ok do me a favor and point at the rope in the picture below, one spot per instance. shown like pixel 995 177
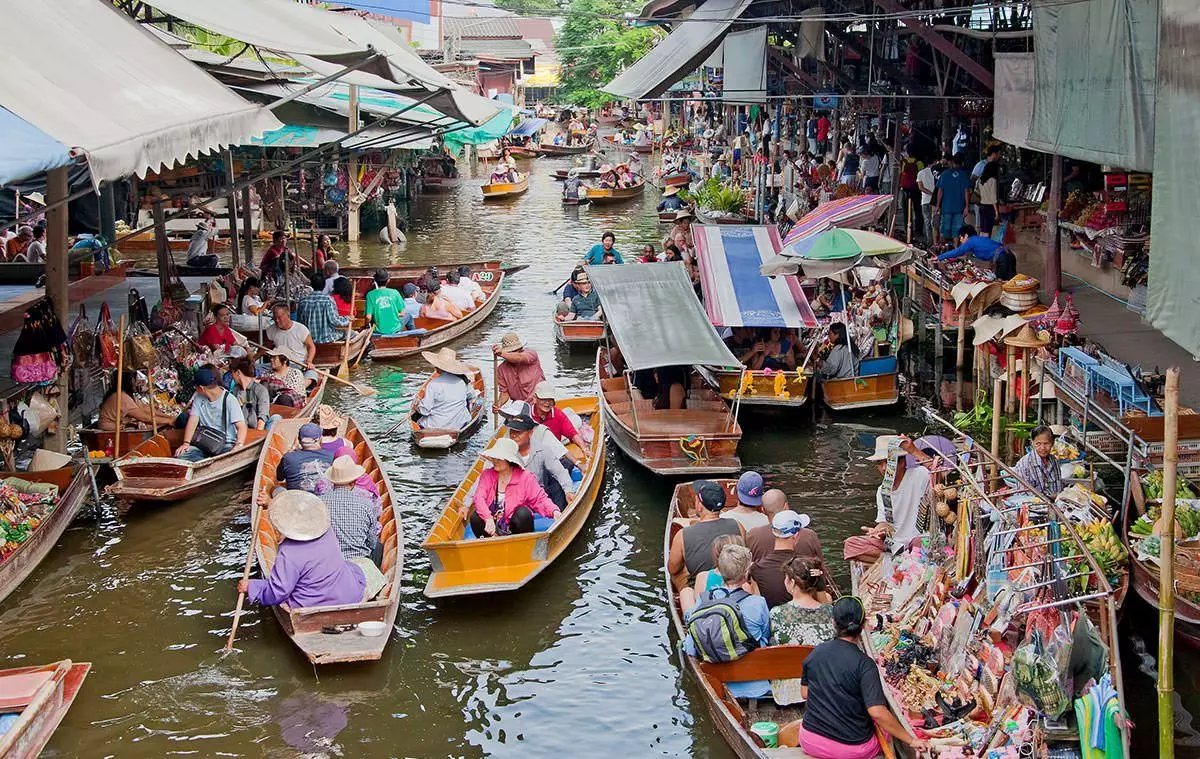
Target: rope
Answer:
pixel 694 447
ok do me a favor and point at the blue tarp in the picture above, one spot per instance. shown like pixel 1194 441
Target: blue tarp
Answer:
pixel 527 127
pixel 26 150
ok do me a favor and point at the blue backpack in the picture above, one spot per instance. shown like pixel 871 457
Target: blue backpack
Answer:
pixel 717 628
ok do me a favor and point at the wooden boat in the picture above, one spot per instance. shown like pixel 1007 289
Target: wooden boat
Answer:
pixel 1145 579
pixel 699 439
pixel 402 274
pixel 305 626
pixel 329 355
pixel 146 241
pixel 579 332
pixel 550 149
pixel 102 440
pixel 613 194
pixel 677 179
pixel 72 482
pixel 150 471
pixel 42 695
pixel 506 189
pixel 775 389
pixel 520 151
pixel 877 384
pixel 667 217
pixel 466 567
pixel 432 437
pixel 184 270
pixel 574 201
pixel 561 174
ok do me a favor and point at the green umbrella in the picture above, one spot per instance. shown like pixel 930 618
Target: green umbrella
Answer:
pixel 835 244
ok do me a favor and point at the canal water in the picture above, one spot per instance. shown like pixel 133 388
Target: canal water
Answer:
pixel 579 663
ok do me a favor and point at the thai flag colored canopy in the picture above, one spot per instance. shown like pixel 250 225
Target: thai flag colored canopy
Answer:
pixel 853 212
pixel 735 293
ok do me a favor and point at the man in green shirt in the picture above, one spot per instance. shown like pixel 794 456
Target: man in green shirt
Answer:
pixel 385 307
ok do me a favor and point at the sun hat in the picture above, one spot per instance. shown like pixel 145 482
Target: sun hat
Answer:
pixel 511 342
pixel 308 432
pixel 299 515
pixel 671 190
pixel 787 523
pixel 750 489
pixel 882 443
pixel 504 449
pixel 684 214
pixel 326 419
pixel 546 389
pixel 573 172
pixel 446 359
pixel 36 197
pixel 344 471
pixel 1026 338
pixel 605 167
pixel 710 494
pixel 206 377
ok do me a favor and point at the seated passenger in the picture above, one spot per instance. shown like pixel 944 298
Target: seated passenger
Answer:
pixel 761 540
pixel 734 565
pixel 470 285
pixel 342 293
pixel 309 570
pixel 330 423
pixel 354 513
pixel 438 306
pixel 804 620
pixel 452 288
pixel 302 468
pixel 569 290
pixel 252 394
pixel 779 353
pixel 608 177
pixel 768 571
pixel 286 383
pixel 446 403
pixel 215 409
pixel 842 361
pixel 539 460
pixel 691 548
pixel 709 578
pixel 546 412
pixel 586 304
pixel 386 308
pixel 500 175
pixel 411 303
pixel 671 383
pixel 521 498
pixel 219 335
pixel 748 513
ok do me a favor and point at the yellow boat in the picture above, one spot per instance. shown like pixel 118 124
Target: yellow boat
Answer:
pixel 466 567
pixel 496 190
pixel 759 388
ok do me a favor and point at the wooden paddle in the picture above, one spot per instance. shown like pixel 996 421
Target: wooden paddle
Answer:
pixel 495 390
pixel 344 369
pixel 362 389
pixel 237 610
pixel 363 352
pixel 120 378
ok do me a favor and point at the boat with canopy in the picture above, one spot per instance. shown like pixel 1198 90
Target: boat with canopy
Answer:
pixel 656 321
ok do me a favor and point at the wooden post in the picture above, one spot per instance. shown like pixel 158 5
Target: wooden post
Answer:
pixel 227 159
pixel 1166 586
pixel 1052 271
pixel 120 377
pixel 997 390
pixel 153 415
pixel 1010 394
pixel 162 251
pixel 57 288
pixel 959 355
pixel 247 226
pixel 352 227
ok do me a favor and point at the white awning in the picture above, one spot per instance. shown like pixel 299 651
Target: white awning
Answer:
pixel 128 103
pixel 681 53
pixel 327 42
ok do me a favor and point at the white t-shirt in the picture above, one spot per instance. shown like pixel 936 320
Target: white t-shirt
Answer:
pixel 906 506
pixel 925 179
pixel 291 341
pixel 35 252
pixel 458 296
pixel 473 287
pixel 749 520
pixel 871 165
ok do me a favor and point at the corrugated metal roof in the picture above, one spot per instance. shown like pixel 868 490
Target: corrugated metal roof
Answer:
pixel 497 49
pixel 499 27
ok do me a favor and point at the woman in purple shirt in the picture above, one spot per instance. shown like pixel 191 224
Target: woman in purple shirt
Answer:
pixel 309 569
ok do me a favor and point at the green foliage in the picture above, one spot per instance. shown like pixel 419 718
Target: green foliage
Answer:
pixel 717 197
pixel 529 7
pixel 593 47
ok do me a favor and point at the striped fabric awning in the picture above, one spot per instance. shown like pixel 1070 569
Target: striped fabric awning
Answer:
pixel 853 212
pixel 735 293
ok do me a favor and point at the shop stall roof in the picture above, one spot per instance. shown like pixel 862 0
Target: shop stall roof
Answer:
pixel 129 105
pixel 736 294
pixel 27 150
pixel 656 318
pixel 308 136
pixel 527 127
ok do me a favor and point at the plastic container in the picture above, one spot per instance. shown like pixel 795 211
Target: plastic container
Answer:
pixel 768 732
pixel 371 629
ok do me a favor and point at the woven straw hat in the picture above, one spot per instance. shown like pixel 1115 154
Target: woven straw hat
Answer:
pixel 504 449
pixel 299 515
pixel 345 471
pixel 1025 338
pixel 446 359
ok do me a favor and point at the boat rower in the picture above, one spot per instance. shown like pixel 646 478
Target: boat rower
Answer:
pixel 670 200
pixel 446 403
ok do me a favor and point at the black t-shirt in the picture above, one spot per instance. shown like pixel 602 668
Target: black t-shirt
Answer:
pixel 768 573
pixel 842 683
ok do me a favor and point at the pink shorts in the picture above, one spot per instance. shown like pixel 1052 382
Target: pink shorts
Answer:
pixel 820 747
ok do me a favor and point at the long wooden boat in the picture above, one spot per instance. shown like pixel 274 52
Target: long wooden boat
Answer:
pixel 613 143
pixel 561 174
pixel 150 471
pixel 520 151
pixel 776 389
pixel 579 332
pixel 432 437
pixel 146 241
pixel 466 567
pixel 72 482
pixel 42 695
pixel 699 439
pixel 101 440
pixel 601 195
pixel 551 149
pixel 305 626
pixel 677 179
pixel 329 355
pixel 1145 579
pixel 877 384
pixel 498 190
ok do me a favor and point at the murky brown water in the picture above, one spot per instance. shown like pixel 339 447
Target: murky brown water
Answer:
pixel 580 663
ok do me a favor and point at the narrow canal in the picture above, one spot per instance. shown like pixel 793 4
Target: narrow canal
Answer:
pixel 579 663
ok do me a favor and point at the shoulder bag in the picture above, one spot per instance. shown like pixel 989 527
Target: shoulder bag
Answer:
pixel 209 440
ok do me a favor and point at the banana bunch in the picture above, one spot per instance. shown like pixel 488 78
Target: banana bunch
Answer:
pixel 1104 545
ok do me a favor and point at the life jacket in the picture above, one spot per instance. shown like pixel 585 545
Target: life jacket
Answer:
pixel 717 628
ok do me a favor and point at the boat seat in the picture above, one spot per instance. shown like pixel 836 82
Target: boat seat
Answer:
pixel 540 524
pixel 16 691
pixel 871 367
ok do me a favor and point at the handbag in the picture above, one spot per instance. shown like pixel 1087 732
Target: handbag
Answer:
pixel 106 337
pixel 209 440
pixel 140 352
pixel 138 311
pixel 82 339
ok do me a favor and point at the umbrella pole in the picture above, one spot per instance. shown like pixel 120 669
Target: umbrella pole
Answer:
pixel 632 404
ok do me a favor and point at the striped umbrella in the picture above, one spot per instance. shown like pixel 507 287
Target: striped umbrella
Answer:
pixel 851 212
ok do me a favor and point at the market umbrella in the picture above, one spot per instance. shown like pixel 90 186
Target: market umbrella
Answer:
pixel 852 212
pixel 837 244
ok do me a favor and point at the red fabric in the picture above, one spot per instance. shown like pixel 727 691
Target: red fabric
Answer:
pixel 558 423
pixel 343 306
pixel 519 377
pixel 822 128
pixel 523 490
pixel 862 548
pixel 217 336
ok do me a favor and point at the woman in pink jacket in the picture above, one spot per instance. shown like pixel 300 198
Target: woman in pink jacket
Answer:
pixel 506 496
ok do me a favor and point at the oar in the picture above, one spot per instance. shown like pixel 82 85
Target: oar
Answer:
pixel 495 390
pixel 362 389
pixel 237 610
pixel 511 270
pixel 344 369
pixel 363 352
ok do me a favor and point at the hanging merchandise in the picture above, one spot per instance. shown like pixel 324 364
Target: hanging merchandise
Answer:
pixel 40 346
pixel 140 352
pixel 107 338
pixel 138 311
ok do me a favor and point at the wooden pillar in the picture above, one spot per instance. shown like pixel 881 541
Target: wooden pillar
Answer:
pixel 248 225
pixel 57 287
pixel 352 230
pixel 231 195
pixel 1052 271
pixel 162 252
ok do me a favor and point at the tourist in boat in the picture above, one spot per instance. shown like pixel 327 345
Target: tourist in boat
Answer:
pixel 343 296
pixel 845 696
pixel 761 540
pixel 354 515
pixel 303 467
pixel 671 252
pixel 219 335
pixel 131 408
pixel 216 410
pixel 572 184
pixel 253 395
pixel 200 245
pixel 586 304
pixel 411 293
pixel 690 551
pixel 294 339
pixel 648 254
pixel 452 288
pixel 437 305
pixel 249 298
pixel 842 361
pixel 748 512
pixel 709 578
pixel 778 351
pixel 386 308
pixel 332 277
pixel 669 386
pixel 446 404
pixel 608 242
pixel 309 569
pixel 624 175
pixel 468 283
pixel 608 177
pixel 898 500
pixel 14 248
pixel 538 459
pixel 556 420
pixel 286 383
pixel 277 255
pixel 670 200
pixel 519 371
pixel 507 498
pixel 1039 467
pixel 805 619
pixel 733 563
pixel 318 313
pixel 569 290
pixel 363 483
pixel 323 253
pixel 768 571
pixel 35 251
pixel 330 424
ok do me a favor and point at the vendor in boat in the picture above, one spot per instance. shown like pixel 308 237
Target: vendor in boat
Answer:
pixel 1039 467
pixel 437 305
pixel 293 339
pixel 690 552
pixel 586 304
pixel 249 298
pixel 519 372
pixel 300 469
pixel 277 255
pixel 199 252
pixel 219 335
pixel 446 402
pixel 845 696
pixel 608 177
pixel 681 232
pixel 898 500
pixel 571 185
pixel 385 307
pixel 131 408
pixel 507 498
pixel 308 570
pixel 324 251
pixel 215 412
pixel 556 420
pixel 318 313
pixel 670 200
pixel 607 243
pixel 538 458
pixel 649 256
pixel 635 168
pixel 842 361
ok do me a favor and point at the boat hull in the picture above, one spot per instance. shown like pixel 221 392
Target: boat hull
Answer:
pixel 579 332
pixel 329 355
pixel 505 189
pixel 439 332
pixel 556 150
pixel 878 384
pixel 764 390
pixel 602 195
pixel 72 481
pixel 561 174
pixel 46 708
pixel 432 438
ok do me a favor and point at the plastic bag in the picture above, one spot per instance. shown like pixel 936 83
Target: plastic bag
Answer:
pixel 1040 668
pixel 139 347
pixel 40 414
pixel 82 339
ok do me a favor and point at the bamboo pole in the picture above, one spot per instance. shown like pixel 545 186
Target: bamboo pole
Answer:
pixel 959 355
pixel 120 377
pixel 997 390
pixel 153 415
pixel 1166 587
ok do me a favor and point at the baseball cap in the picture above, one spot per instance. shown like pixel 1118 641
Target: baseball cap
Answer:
pixel 787 523
pixel 409 290
pixel 206 377
pixel 711 495
pixel 309 431
pixel 516 408
pixel 750 489
pixel 520 422
pixel 848 615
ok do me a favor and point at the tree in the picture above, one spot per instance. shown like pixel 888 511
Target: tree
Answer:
pixel 529 7
pixel 594 45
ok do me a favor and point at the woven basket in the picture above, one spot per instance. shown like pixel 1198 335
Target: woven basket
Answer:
pixel 1019 301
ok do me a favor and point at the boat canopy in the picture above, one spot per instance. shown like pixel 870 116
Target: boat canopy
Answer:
pixel 655 316
pixel 736 294
pixel 527 127
pixel 27 149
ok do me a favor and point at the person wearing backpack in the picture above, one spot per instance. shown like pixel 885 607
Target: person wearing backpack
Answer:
pixel 729 621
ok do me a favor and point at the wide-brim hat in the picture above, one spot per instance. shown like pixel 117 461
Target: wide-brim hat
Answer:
pixel 605 168
pixel 326 417
pixel 671 190
pixel 511 342
pixel 573 172
pixel 546 389
pixel 1026 337
pixel 882 443
pixel 684 214
pixel 36 197
pixel 345 471
pixel 299 515
pixel 446 359
pixel 504 449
